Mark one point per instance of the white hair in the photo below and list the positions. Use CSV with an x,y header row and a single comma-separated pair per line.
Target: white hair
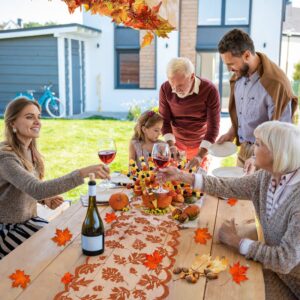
x,y
283,140
180,65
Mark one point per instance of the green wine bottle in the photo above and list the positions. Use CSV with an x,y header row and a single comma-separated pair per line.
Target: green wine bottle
x,y
92,232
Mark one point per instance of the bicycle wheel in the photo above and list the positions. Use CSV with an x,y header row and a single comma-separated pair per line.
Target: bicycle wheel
x,y
55,108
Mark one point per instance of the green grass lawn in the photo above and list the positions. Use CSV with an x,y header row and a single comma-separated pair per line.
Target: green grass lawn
x,y
71,144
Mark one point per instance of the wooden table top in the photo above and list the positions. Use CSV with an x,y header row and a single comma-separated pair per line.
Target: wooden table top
x,y
46,263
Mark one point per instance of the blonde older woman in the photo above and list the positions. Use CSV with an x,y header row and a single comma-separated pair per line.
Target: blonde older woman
x,y
275,192
21,174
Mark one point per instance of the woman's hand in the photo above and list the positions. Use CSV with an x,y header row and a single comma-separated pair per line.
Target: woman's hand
x,y
54,202
172,173
100,171
228,234
249,167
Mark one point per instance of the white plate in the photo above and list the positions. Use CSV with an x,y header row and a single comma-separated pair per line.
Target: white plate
x,y
120,178
228,172
222,150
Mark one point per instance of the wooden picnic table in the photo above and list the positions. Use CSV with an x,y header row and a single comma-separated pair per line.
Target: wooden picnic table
x,y
46,263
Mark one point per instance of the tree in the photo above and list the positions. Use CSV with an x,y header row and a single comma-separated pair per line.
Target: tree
x,y
296,75
36,24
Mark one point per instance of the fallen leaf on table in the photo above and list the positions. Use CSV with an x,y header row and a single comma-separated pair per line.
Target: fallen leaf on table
x,y
110,217
202,235
153,260
19,278
62,236
200,263
238,273
67,278
232,201
218,264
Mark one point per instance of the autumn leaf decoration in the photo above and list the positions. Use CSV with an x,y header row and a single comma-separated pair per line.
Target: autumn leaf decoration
x,y
67,278
132,13
238,272
19,278
110,217
232,201
202,235
62,236
153,260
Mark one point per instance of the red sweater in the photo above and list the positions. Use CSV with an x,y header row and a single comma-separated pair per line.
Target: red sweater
x,y
193,118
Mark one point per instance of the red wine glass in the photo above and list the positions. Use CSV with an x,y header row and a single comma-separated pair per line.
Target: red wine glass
x,y
161,158
107,153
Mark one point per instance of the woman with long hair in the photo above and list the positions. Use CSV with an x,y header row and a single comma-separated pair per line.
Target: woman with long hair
x,y
21,174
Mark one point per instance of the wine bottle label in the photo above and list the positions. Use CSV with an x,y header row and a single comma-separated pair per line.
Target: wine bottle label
x,y
92,243
92,190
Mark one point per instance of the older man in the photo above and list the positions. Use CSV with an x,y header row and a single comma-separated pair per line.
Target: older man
x,y
190,107
260,91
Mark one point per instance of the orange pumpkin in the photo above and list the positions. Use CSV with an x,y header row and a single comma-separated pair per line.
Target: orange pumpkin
x,y
118,201
163,200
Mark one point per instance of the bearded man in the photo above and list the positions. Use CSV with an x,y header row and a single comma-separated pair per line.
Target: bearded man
x,y
190,107
259,92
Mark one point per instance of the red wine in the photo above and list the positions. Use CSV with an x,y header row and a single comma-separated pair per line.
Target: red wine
x,y
107,156
161,163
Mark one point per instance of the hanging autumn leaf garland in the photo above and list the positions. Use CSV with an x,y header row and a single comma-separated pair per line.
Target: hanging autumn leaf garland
x,y
135,14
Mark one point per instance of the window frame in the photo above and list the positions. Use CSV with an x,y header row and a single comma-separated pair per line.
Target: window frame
x,y
223,16
118,84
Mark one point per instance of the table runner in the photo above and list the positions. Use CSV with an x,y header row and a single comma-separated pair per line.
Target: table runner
x,y
120,272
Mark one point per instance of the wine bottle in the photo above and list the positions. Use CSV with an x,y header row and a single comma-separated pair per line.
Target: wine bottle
x,y
92,232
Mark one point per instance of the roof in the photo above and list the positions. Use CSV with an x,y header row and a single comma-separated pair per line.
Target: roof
x,y
56,30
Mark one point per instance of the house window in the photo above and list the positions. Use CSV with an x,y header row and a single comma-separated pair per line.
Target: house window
x,y
128,69
210,12
237,12
223,12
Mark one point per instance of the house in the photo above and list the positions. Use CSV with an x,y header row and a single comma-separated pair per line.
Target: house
x,y
99,66
58,55
290,48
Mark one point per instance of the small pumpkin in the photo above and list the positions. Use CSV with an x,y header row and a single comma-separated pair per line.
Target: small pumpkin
x,y
163,200
118,201
192,211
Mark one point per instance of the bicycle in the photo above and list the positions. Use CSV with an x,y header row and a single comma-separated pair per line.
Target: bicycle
x,y
54,106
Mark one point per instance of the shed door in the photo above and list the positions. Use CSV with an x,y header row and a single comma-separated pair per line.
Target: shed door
x,y
76,78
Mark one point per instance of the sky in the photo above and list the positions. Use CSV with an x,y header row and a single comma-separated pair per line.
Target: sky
x,y
40,11
43,11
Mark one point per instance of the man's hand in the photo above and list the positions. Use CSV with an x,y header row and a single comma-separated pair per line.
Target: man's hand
x,y
196,160
228,234
227,137
54,202
249,167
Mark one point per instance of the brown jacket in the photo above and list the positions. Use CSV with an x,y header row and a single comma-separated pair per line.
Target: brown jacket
x,y
277,86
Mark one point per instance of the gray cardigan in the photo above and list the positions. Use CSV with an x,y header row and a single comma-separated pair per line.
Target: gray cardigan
x,y
281,251
20,189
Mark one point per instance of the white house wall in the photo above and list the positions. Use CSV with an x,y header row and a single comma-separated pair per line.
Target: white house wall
x,y
266,27
101,92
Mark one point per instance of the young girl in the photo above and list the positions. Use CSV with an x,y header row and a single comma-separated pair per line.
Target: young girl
x,y
146,133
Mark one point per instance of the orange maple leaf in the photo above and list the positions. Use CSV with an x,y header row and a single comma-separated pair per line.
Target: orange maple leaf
x,y
62,236
147,39
67,278
110,217
238,272
232,201
202,235
153,260
19,278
